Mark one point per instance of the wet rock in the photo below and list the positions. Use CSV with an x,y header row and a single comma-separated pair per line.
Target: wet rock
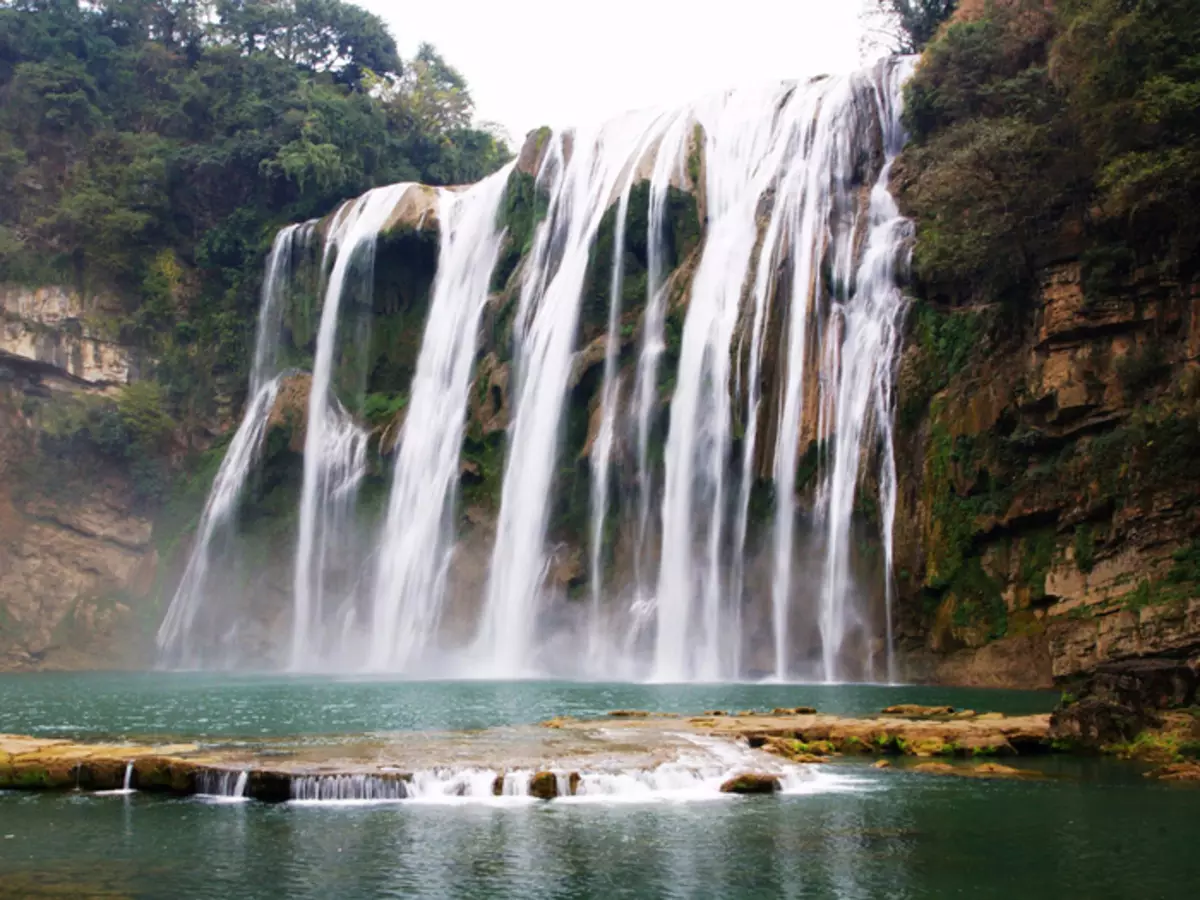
x,y
793,711
716,712
629,714
498,786
751,783
882,764
101,774
1119,700
985,770
544,786
914,711
1180,771
1092,723
268,786
164,774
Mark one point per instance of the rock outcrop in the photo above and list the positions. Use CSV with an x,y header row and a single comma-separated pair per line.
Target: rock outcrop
x,y
60,329
1047,520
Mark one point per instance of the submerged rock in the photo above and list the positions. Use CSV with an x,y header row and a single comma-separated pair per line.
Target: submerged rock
x,y
915,711
629,714
984,770
751,783
1180,771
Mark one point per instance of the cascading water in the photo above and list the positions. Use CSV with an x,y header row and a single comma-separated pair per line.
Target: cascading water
x,y
335,445
779,332
175,638
581,184
419,529
866,387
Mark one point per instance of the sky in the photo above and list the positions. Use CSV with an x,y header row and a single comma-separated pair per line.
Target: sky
x,y
530,63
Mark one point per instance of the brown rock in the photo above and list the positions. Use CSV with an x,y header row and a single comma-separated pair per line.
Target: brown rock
x,y
751,783
912,710
1180,771
544,786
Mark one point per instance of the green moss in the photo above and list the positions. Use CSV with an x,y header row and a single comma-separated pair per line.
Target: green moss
x,y
483,476
380,409
696,155
1038,557
1085,548
945,342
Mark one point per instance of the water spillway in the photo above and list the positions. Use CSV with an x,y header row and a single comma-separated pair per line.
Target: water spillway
x,y
655,378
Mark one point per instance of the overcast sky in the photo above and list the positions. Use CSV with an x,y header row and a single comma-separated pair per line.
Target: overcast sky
x,y
566,62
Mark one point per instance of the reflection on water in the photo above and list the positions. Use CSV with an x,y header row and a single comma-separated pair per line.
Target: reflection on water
x,y
1098,832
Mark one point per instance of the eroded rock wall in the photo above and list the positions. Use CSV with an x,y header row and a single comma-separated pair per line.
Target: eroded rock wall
x,y
1050,504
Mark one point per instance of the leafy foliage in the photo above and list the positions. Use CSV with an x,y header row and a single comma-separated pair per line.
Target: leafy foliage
x,y
1036,125
150,148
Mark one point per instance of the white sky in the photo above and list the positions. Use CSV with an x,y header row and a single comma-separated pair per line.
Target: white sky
x,y
567,62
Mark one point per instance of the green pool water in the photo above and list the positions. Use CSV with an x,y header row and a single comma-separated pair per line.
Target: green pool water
x,y
1089,829
194,705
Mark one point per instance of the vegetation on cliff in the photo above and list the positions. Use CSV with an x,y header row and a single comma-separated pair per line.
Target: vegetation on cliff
x,y
1035,124
150,149
1049,394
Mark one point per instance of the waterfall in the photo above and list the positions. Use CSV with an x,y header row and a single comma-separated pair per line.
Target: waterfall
x,y
866,387
580,173
175,639
771,336
335,445
668,165
419,529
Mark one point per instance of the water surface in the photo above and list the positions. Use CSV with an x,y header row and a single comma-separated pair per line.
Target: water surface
x,y
1095,831
91,705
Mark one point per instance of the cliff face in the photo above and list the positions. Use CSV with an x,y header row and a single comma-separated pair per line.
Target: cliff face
x,y
1049,510
77,563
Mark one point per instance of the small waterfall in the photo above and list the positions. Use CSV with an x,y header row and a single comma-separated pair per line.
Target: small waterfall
x,y
176,645
228,786
580,182
419,529
127,781
335,445
344,788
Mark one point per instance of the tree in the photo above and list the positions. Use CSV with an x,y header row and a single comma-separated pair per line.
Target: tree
x,y
907,26
319,35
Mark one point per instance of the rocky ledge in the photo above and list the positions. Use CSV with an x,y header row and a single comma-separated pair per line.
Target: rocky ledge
x,y
742,753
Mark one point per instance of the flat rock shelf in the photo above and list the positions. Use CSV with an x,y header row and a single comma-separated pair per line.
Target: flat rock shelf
x,y
626,752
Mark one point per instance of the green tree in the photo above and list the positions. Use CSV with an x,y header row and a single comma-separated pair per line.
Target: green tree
x,y
907,26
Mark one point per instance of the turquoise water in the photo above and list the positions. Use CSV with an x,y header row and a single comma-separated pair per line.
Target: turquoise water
x,y
193,705
1090,829
1096,831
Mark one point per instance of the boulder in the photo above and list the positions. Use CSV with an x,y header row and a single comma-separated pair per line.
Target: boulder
x,y
1119,700
751,783
544,786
